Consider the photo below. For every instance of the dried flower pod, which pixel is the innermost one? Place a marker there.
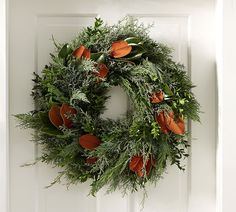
(157, 97)
(160, 118)
(137, 164)
(168, 123)
(91, 160)
(65, 112)
(176, 126)
(89, 142)
(120, 49)
(82, 52)
(55, 117)
(103, 71)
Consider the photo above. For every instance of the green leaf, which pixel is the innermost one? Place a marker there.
(101, 59)
(135, 57)
(98, 22)
(65, 50)
(133, 44)
(133, 40)
(167, 90)
(98, 57)
(182, 101)
(155, 130)
(95, 56)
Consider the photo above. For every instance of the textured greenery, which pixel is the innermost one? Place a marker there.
(70, 80)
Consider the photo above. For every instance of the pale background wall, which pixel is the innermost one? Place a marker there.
(227, 99)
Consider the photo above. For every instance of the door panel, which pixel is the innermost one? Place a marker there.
(187, 27)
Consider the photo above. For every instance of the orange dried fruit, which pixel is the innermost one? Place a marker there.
(86, 54)
(160, 118)
(55, 117)
(168, 123)
(136, 165)
(79, 52)
(157, 97)
(103, 71)
(181, 125)
(135, 160)
(91, 160)
(67, 111)
(120, 49)
(82, 52)
(177, 127)
(89, 142)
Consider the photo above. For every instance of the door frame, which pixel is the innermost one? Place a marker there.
(4, 117)
(225, 60)
(219, 69)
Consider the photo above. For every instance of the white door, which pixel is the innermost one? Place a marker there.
(185, 25)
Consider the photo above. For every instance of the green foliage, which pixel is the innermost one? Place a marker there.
(147, 69)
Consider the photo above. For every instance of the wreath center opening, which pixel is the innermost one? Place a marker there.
(117, 104)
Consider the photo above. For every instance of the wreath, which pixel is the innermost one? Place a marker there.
(70, 96)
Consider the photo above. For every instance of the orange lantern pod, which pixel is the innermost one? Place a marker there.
(160, 118)
(87, 54)
(103, 71)
(167, 123)
(55, 117)
(157, 97)
(91, 160)
(82, 52)
(177, 127)
(89, 142)
(136, 165)
(120, 49)
(65, 111)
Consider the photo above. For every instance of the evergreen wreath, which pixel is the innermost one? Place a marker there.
(71, 93)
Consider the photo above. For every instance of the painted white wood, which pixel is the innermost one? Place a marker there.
(3, 108)
(226, 81)
(187, 26)
(219, 69)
